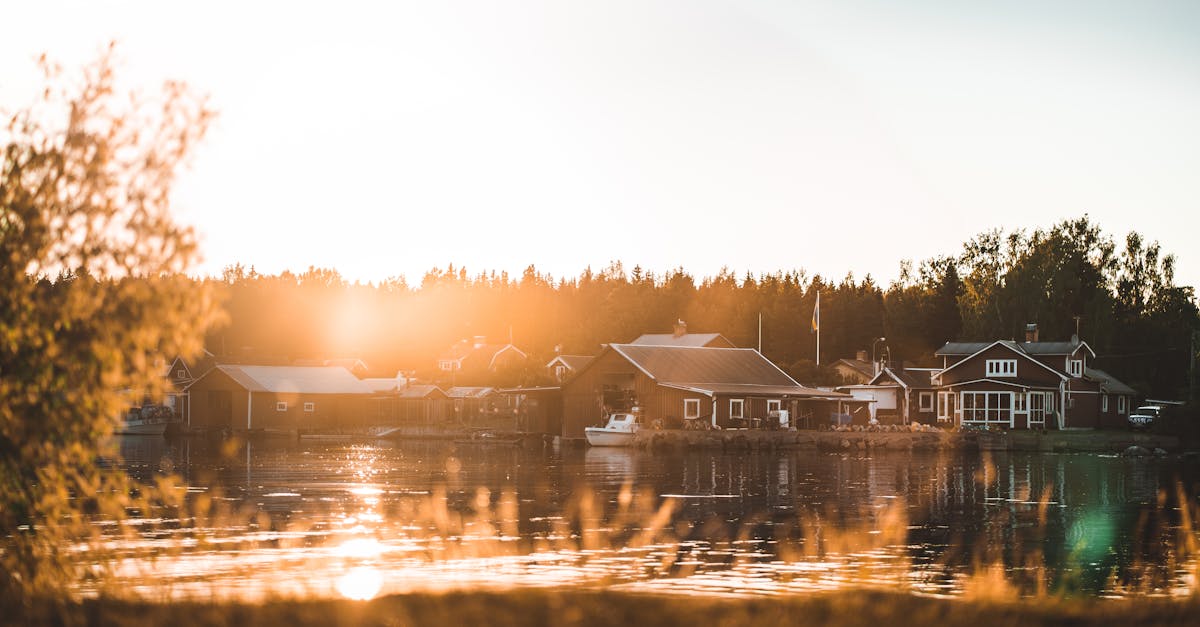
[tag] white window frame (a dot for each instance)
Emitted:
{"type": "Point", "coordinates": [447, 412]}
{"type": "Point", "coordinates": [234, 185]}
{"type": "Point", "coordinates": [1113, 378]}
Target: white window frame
{"type": "Point", "coordinates": [180, 373]}
{"type": "Point", "coordinates": [1075, 367]}
{"type": "Point", "coordinates": [925, 402]}
{"type": "Point", "coordinates": [991, 411]}
{"type": "Point", "coordinates": [1001, 367]}
{"type": "Point", "coordinates": [281, 406]}
{"type": "Point", "coordinates": [1104, 403]}
{"type": "Point", "coordinates": [740, 403]}
{"type": "Point", "coordinates": [691, 402]}
{"type": "Point", "coordinates": [773, 404]}
{"type": "Point", "coordinates": [310, 407]}
{"type": "Point", "coordinates": [1122, 404]}
{"type": "Point", "coordinates": [944, 413]}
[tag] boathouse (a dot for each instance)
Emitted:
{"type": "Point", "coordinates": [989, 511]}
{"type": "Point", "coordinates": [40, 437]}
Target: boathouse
{"type": "Point", "coordinates": [279, 398]}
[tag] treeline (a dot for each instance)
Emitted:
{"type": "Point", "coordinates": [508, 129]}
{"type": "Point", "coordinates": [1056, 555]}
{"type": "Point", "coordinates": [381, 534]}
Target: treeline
{"type": "Point", "coordinates": [1122, 299]}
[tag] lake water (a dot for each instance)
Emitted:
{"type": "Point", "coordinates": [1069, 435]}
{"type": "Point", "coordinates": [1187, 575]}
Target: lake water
{"type": "Point", "coordinates": [282, 517]}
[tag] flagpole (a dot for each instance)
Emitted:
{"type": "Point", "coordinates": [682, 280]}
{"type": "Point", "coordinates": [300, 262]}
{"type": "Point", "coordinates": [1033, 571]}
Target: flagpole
{"type": "Point", "coordinates": [760, 332]}
{"type": "Point", "coordinates": [817, 325]}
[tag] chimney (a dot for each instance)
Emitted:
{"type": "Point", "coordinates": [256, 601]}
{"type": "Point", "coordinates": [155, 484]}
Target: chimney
{"type": "Point", "coordinates": [861, 355]}
{"type": "Point", "coordinates": [680, 328]}
{"type": "Point", "coordinates": [1031, 332]}
{"type": "Point", "coordinates": [480, 340]}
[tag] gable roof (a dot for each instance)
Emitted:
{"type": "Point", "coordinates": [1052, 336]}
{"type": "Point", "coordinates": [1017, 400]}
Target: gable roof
{"type": "Point", "coordinates": [470, 392]}
{"type": "Point", "coordinates": [687, 339]}
{"type": "Point", "coordinates": [423, 390]}
{"type": "Point", "coordinates": [379, 384]}
{"type": "Point", "coordinates": [573, 362]}
{"type": "Point", "coordinates": [294, 379]}
{"type": "Point", "coordinates": [1010, 345]}
{"type": "Point", "coordinates": [908, 378]}
{"type": "Point", "coordinates": [722, 370]}
{"type": "Point", "coordinates": [477, 351]}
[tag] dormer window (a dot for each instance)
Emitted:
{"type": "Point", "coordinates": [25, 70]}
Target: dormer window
{"type": "Point", "coordinates": [1001, 367]}
{"type": "Point", "coordinates": [1075, 367]}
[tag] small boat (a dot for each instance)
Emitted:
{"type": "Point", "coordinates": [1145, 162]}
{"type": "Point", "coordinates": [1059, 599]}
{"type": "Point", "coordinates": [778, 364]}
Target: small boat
{"type": "Point", "coordinates": [488, 438]}
{"type": "Point", "coordinates": [618, 431]}
{"type": "Point", "coordinates": [147, 420]}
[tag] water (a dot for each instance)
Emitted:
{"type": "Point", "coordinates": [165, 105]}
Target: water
{"type": "Point", "coordinates": [281, 517]}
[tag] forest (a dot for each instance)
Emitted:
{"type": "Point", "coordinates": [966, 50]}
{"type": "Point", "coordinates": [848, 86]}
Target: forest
{"type": "Point", "coordinates": [1119, 295]}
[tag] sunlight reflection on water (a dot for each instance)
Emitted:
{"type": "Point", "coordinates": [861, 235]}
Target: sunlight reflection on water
{"type": "Point", "coordinates": [360, 521]}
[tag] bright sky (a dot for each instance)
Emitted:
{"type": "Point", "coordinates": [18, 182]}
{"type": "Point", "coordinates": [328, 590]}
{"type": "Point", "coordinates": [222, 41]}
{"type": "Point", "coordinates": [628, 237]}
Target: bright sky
{"type": "Point", "coordinates": [385, 138]}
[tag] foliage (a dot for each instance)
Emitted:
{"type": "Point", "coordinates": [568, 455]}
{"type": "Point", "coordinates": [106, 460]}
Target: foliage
{"type": "Point", "coordinates": [89, 269]}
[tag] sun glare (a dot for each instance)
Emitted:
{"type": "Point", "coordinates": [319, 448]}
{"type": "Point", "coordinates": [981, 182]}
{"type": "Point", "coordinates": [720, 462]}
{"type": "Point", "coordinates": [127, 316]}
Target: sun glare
{"type": "Point", "coordinates": [360, 584]}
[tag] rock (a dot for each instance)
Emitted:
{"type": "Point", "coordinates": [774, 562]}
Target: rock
{"type": "Point", "coordinates": [1158, 452]}
{"type": "Point", "coordinates": [1135, 451]}
{"type": "Point", "coordinates": [845, 444]}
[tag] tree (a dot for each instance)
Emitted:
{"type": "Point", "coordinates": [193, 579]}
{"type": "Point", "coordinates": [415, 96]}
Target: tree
{"type": "Point", "coordinates": [90, 271]}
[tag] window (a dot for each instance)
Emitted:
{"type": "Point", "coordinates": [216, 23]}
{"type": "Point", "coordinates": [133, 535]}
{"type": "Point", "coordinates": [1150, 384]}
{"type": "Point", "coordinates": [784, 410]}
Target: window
{"type": "Point", "coordinates": [691, 408]}
{"type": "Point", "coordinates": [1019, 403]}
{"type": "Point", "coordinates": [1122, 405]}
{"type": "Point", "coordinates": [1001, 367]}
{"type": "Point", "coordinates": [735, 408]}
{"type": "Point", "coordinates": [987, 408]}
{"type": "Point", "coordinates": [446, 364]}
{"type": "Point", "coordinates": [310, 408]}
{"type": "Point", "coordinates": [925, 401]}
{"type": "Point", "coordinates": [772, 405]}
{"type": "Point", "coordinates": [1104, 403]}
{"type": "Point", "coordinates": [182, 374]}
{"type": "Point", "coordinates": [281, 406]}
{"type": "Point", "coordinates": [1076, 367]}
{"type": "Point", "coordinates": [560, 372]}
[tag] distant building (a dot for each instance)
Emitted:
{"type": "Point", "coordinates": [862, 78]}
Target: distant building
{"type": "Point", "coordinates": [1030, 384]}
{"type": "Point", "coordinates": [690, 386]}
{"type": "Point", "coordinates": [900, 395]}
{"type": "Point", "coordinates": [563, 367]}
{"type": "Point", "coordinates": [477, 356]}
{"type": "Point", "coordinates": [857, 370]}
{"type": "Point", "coordinates": [284, 398]}
{"type": "Point", "coordinates": [681, 337]}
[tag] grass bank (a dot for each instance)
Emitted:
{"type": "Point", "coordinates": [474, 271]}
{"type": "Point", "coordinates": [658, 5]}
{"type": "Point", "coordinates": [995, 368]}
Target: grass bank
{"type": "Point", "coordinates": [594, 608]}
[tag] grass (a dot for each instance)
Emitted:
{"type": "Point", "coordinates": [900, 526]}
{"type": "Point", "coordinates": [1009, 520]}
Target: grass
{"type": "Point", "coordinates": [584, 608]}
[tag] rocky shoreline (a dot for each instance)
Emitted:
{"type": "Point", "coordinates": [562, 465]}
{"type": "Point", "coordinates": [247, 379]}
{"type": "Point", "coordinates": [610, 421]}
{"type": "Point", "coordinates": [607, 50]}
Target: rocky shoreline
{"type": "Point", "coordinates": [1116, 442]}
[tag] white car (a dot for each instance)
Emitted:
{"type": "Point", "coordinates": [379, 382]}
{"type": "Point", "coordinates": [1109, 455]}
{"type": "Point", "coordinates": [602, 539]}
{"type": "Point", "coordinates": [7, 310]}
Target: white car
{"type": "Point", "coordinates": [1144, 416]}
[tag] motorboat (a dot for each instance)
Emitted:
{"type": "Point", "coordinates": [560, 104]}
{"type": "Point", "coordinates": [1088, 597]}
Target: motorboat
{"type": "Point", "coordinates": [620, 430]}
{"type": "Point", "coordinates": [147, 420]}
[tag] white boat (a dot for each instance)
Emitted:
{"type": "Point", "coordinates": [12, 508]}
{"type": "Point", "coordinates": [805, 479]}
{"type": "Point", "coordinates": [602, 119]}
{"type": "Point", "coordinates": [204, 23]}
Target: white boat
{"type": "Point", "coordinates": [147, 420]}
{"type": "Point", "coordinates": [619, 431]}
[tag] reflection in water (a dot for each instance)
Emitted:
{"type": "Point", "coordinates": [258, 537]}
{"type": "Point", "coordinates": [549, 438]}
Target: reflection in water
{"type": "Point", "coordinates": [286, 517]}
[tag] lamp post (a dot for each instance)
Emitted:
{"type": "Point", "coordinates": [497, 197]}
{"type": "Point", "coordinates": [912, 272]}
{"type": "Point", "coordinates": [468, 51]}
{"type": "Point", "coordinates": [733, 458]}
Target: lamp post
{"type": "Point", "coordinates": [875, 364]}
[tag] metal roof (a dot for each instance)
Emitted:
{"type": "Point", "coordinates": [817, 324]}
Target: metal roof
{"type": "Point", "coordinates": [690, 364]}
{"type": "Point", "coordinates": [670, 339]}
{"type": "Point", "coordinates": [296, 379]}
{"type": "Point", "coordinates": [910, 378]}
{"type": "Point", "coordinates": [749, 389]}
{"type": "Point", "coordinates": [383, 384]}
{"type": "Point", "coordinates": [421, 391]}
{"type": "Point", "coordinates": [470, 392]}
{"type": "Point", "coordinates": [574, 362]}
{"type": "Point", "coordinates": [1109, 383]}
{"type": "Point", "coordinates": [1029, 348]}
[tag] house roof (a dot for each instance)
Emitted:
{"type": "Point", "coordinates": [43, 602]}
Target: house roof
{"type": "Point", "coordinates": [383, 384]}
{"type": "Point", "coordinates": [464, 349]}
{"type": "Point", "coordinates": [1010, 345]}
{"type": "Point", "coordinates": [1109, 383]}
{"type": "Point", "coordinates": [421, 391]}
{"type": "Point", "coordinates": [909, 378]}
{"type": "Point", "coordinates": [1029, 348]}
{"type": "Point", "coordinates": [864, 368]}
{"type": "Point", "coordinates": [720, 370]}
{"type": "Point", "coordinates": [748, 389]}
{"type": "Point", "coordinates": [670, 339]}
{"type": "Point", "coordinates": [470, 392]}
{"type": "Point", "coordinates": [574, 362]}
{"type": "Point", "coordinates": [296, 379]}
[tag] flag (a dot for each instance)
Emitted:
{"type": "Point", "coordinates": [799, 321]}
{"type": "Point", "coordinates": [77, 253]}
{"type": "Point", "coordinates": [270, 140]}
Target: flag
{"type": "Point", "coordinates": [816, 321]}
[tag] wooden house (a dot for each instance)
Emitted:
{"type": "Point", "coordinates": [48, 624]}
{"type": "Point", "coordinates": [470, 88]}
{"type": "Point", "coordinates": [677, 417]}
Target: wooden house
{"type": "Point", "coordinates": [899, 395]}
{"type": "Point", "coordinates": [1029, 384]}
{"type": "Point", "coordinates": [476, 356]}
{"type": "Point", "coordinates": [280, 398]}
{"type": "Point", "coordinates": [689, 386]}
{"type": "Point", "coordinates": [563, 367]}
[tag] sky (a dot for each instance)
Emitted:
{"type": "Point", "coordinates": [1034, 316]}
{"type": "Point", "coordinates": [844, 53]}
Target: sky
{"type": "Point", "coordinates": [385, 139]}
